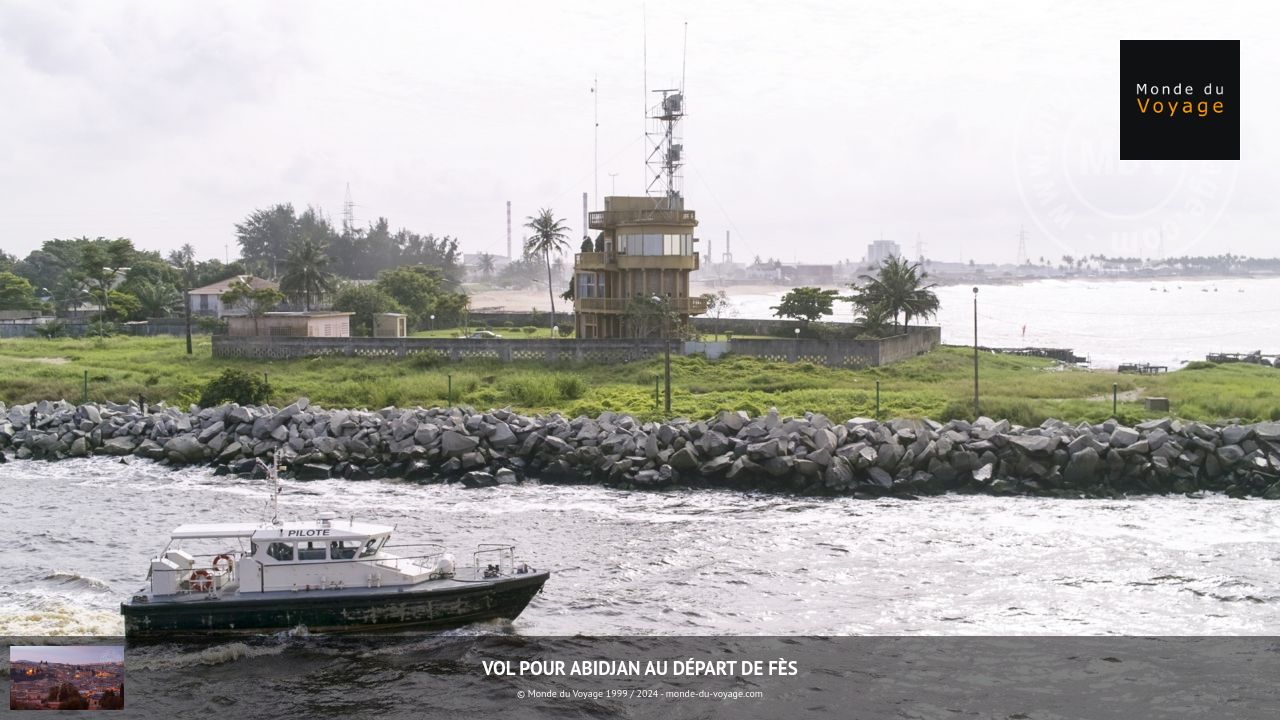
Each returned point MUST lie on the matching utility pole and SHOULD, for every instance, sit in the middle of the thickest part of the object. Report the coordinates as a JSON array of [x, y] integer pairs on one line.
[[664, 304], [187, 303], [976, 412]]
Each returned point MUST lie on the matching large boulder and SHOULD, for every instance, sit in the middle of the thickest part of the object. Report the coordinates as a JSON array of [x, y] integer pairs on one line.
[[121, 445], [1082, 467], [455, 444], [184, 449]]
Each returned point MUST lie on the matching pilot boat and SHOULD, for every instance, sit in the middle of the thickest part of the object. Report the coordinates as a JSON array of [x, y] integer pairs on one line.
[[327, 574]]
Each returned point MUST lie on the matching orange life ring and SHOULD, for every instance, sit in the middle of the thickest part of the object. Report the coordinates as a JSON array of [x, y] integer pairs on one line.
[[220, 558], [201, 581]]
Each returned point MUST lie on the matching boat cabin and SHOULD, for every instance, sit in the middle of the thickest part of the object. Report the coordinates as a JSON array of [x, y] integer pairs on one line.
[[325, 553]]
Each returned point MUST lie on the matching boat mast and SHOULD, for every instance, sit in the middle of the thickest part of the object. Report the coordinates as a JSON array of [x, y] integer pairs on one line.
[[274, 474]]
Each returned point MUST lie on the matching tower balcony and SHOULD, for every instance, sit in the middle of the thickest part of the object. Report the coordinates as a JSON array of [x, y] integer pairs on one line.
[[615, 261], [680, 305], [604, 219]]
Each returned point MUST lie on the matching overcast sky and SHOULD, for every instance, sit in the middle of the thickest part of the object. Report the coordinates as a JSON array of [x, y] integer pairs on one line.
[[813, 127]]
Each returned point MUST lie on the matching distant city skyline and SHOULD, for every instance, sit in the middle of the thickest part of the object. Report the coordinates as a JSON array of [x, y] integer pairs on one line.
[[67, 654], [817, 127]]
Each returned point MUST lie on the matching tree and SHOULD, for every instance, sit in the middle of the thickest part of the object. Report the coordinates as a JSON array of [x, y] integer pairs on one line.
[[520, 273], [897, 289], [183, 256], [208, 272], [100, 265], [16, 293], [806, 304], [717, 306], [420, 291], [156, 300], [486, 264], [306, 273], [7, 261], [123, 306], [649, 315], [264, 236], [255, 302], [549, 236], [365, 301]]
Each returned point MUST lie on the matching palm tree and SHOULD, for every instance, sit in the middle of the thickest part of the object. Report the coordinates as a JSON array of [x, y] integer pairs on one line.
[[549, 235], [159, 300], [896, 290], [306, 272], [486, 264], [182, 257]]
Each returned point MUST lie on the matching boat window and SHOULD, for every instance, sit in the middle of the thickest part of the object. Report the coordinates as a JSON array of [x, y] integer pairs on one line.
[[343, 549], [371, 547], [311, 552], [280, 551]]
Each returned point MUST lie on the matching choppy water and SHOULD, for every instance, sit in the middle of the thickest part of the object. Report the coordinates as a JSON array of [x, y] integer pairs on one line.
[[1163, 322], [78, 534]]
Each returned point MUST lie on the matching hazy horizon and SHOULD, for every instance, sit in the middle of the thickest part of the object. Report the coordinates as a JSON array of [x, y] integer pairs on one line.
[[67, 654], [813, 128]]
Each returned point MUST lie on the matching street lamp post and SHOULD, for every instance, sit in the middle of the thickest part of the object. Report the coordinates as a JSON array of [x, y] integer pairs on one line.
[[666, 354], [433, 323], [796, 347], [976, 412]]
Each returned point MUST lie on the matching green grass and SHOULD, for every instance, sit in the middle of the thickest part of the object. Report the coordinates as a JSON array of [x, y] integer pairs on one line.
[[937, 385]]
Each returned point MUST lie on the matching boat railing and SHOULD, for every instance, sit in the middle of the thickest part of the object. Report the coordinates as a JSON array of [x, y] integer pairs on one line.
[[491, 552], [402, 563], [196, 579]]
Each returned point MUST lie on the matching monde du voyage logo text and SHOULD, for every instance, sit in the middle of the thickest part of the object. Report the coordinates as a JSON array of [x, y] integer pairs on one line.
[[1179, 99]]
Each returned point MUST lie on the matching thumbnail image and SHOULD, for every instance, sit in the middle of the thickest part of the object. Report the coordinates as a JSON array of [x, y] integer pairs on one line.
[[66, 677]]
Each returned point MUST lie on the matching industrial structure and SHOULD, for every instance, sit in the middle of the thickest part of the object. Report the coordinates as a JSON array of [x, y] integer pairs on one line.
[[641, 259]]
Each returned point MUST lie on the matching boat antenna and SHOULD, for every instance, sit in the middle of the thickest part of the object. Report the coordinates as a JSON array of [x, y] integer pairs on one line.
[[274, 474]]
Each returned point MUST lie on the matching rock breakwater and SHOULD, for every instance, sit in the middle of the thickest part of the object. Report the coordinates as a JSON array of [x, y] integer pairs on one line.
[[810, 454]]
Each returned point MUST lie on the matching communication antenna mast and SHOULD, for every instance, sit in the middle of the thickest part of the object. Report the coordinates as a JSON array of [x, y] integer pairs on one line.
[[666, 151], [348, 213], [595, 97], [1022, 245]]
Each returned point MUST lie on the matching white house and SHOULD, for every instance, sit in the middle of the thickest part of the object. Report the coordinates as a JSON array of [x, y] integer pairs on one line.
[[207, 300]]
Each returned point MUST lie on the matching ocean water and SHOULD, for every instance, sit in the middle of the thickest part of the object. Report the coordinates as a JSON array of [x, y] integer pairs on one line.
[[887, 608], [1162, 322], [693, 562]]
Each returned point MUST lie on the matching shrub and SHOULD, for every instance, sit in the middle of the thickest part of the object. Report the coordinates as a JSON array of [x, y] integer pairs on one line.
[[211, 325], [1200, 365], [101, 328], [235, 386], [570, 387], [50, 330], [528, 330]]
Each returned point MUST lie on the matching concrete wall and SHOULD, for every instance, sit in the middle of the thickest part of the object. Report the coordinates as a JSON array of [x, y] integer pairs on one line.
[[280, 348], [836, 353]]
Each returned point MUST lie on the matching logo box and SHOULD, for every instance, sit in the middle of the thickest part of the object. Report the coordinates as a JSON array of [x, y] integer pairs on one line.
[[1179, 99]]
